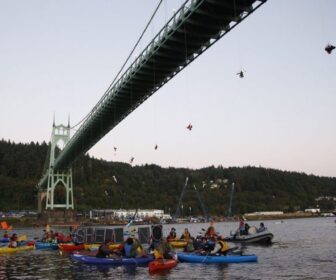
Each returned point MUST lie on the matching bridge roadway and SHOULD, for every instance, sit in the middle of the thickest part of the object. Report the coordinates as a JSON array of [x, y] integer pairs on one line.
[[196, 26]]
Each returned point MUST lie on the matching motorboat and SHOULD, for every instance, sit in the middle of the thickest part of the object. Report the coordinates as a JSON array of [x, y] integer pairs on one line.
[[253, 236]]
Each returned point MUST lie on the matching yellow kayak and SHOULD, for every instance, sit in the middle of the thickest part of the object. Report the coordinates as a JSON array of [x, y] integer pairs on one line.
[[91, 246], [178, 243], [14, 250], [95, 246]]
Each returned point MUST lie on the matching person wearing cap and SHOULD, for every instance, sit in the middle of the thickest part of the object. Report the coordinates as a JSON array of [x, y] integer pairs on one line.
[[172, 235]]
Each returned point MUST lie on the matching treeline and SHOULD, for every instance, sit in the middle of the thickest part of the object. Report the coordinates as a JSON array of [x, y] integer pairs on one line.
[[104, 185]]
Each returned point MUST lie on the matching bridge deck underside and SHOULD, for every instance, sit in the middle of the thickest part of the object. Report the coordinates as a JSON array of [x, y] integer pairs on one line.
[[193, 29]]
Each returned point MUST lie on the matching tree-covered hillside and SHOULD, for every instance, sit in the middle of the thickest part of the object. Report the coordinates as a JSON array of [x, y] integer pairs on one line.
[[150, 186]]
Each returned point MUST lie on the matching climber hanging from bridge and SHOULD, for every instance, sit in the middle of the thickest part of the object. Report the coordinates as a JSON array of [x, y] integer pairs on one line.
[[189, 126], [115, 179], [329, 48], [241, 74]]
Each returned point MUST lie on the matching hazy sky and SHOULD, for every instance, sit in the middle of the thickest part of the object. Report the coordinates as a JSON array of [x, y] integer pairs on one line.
[[60, 56]]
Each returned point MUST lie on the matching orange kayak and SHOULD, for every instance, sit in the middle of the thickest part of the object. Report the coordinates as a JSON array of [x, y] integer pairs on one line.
[[65, 247], [161, 264]]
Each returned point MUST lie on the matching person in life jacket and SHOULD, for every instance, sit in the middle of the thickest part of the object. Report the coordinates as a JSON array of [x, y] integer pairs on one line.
[[221, 247], [130, 248], [164, 250], [186, 235]]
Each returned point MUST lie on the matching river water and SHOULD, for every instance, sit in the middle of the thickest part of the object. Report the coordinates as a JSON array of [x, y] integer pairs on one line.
[[302, 249]]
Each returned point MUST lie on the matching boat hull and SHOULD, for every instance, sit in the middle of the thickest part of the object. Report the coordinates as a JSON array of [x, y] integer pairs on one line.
[[260, 238], [5, 250], [45, 246], [194, 258], [178, 243], [68, 247], [111, 261], [161, 264]]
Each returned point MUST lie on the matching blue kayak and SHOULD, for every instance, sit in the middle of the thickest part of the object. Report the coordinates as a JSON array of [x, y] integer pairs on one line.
[[4, 240], [46, 245], [111, 261], [196, 258]]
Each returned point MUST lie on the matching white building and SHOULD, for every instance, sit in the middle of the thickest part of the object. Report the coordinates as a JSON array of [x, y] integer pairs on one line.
[[312, 210], [124, 213], [264, 213]]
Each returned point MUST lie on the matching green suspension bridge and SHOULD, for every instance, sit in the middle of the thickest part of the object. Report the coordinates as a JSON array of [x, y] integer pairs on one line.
[[195, 27]]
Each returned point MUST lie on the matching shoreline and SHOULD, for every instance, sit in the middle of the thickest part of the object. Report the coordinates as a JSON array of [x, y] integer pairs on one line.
[[36, 222]]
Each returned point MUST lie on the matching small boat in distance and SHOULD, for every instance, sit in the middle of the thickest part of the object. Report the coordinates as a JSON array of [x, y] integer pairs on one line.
[[253, 236]]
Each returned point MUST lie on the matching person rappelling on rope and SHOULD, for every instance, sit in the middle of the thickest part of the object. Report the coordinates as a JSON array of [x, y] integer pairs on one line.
[[115, 149], [329, 48], [241, 74], [189, 126], [131, 160], [115, 179], [156, 147]]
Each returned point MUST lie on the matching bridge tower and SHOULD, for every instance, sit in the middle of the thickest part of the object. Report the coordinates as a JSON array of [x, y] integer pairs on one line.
[[59, 178]]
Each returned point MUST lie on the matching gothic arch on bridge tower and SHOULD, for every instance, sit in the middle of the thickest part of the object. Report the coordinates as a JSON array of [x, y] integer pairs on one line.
[[59, 188]]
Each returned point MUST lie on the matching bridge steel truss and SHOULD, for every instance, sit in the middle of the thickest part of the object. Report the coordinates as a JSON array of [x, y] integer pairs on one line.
[[195, 27]]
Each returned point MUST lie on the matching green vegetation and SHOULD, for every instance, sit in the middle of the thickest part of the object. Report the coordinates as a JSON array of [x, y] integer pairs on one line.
[[150, 186]]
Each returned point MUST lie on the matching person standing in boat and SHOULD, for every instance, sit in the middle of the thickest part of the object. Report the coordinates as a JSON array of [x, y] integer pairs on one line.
[[247, 227], [241, 226]]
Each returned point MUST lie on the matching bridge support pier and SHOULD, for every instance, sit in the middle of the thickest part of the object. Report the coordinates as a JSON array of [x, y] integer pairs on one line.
[[59, 194], [58, 179], [58, 216]]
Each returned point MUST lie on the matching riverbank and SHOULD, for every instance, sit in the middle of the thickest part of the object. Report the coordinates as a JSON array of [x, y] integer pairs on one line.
[[36, 222]]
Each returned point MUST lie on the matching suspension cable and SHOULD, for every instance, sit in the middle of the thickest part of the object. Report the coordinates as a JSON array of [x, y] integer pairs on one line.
[[127, 59]]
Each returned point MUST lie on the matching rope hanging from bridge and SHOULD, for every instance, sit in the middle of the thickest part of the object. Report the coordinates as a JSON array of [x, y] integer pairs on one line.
[[127, 59]]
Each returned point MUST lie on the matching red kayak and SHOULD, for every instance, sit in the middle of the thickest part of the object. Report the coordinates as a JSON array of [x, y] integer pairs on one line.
[[161, 264], [65, 247]]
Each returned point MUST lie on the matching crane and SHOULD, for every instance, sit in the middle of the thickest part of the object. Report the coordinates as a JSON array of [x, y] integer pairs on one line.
[[205, 212], [177, 212]]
